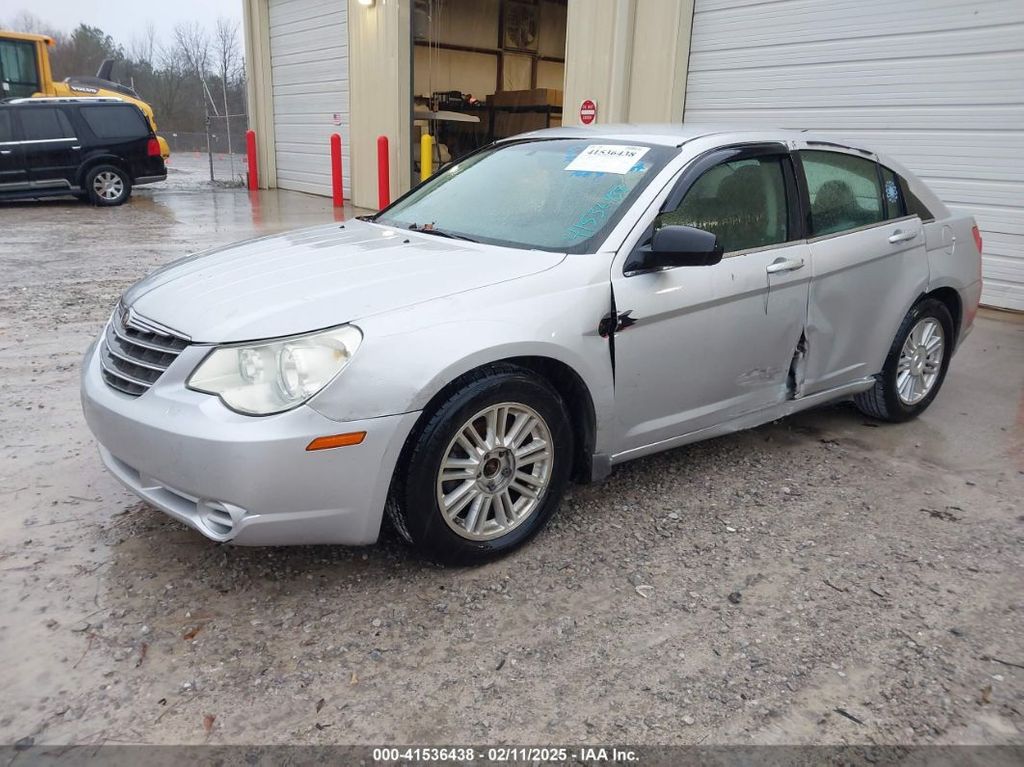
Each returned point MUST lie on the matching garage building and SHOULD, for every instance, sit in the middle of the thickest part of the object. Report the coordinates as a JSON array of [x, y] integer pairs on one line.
[[938, 83]]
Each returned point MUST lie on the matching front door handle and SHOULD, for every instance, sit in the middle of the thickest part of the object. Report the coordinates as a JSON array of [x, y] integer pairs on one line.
[[900, 236], [6, 151], [784, 265]]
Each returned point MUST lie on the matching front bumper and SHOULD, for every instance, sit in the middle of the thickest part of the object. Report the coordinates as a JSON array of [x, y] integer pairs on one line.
[[242, 479]]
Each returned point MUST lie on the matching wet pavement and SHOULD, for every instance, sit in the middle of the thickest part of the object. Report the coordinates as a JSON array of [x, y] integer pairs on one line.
[[741, 590]]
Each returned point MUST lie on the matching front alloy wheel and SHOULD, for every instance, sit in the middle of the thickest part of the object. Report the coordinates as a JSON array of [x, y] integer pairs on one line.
[[495, 471], [486, 468]]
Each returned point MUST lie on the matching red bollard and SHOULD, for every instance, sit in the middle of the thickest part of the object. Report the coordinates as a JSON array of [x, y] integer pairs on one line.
[[383, 173], [250, 151], [336, 177]]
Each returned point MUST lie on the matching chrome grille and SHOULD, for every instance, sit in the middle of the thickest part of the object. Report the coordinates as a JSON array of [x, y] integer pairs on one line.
[[136, 352]]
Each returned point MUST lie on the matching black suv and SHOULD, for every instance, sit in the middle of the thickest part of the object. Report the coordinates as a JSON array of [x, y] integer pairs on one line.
[[94, 149]]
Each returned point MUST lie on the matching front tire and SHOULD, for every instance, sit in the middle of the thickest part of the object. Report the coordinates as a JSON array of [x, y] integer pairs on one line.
[[915, 367], [487, 470], [107, 185]]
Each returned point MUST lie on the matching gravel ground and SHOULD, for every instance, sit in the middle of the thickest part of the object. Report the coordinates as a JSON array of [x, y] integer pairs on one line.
[[823, 579]]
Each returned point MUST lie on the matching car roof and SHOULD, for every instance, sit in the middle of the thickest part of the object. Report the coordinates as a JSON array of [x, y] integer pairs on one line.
[[677, 134]]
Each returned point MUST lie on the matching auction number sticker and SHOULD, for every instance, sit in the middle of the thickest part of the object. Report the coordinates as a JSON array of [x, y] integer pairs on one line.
[[607, 158]]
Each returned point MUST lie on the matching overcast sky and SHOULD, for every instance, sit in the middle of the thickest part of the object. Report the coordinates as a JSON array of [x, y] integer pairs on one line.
[[124, 19]]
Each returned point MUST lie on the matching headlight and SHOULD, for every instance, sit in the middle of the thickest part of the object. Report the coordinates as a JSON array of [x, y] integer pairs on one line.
[[265, 378]]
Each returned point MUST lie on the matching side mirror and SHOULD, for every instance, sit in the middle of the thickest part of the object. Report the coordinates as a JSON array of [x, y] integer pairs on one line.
[[676, 245]]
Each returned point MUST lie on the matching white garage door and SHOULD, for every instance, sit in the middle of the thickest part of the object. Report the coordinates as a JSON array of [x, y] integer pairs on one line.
[[937, 83], [309, 68]]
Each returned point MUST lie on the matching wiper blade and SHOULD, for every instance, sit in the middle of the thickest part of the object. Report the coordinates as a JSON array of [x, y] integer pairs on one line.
[[428, 229]]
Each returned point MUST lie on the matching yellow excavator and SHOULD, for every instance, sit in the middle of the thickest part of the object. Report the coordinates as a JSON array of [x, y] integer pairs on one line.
[[25, 73]]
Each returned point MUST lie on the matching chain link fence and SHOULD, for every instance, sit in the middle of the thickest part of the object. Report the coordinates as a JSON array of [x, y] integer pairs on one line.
[[221, 147]]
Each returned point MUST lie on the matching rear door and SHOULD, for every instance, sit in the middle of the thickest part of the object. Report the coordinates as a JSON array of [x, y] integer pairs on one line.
[[869, 263], [12, 158], [121, 130], [701, 345], [52, 150]]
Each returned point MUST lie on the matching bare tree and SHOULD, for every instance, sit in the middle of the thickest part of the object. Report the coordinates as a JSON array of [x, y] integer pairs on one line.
[[26, 21], [193, 45], [173, 74], [143, 47], [225, 44]]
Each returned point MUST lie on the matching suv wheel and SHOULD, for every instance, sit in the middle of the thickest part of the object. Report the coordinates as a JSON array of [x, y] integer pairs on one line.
[[107, 185], [916, 365], [487, 470]]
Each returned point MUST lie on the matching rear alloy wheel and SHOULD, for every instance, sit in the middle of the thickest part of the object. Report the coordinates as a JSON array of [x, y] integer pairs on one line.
[[487, 469], [915, 367], [107, 185]]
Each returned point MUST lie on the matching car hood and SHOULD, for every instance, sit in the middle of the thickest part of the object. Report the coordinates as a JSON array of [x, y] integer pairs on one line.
[[316, 278]]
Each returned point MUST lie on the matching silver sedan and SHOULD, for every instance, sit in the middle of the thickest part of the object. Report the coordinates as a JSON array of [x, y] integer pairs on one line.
[[538, 312]]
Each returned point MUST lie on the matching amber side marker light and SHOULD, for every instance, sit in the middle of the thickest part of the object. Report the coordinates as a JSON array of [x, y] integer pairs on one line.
[[337, 440]]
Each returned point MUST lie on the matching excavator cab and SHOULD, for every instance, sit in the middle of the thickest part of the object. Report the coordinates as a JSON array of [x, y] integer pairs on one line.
[[20, 75]]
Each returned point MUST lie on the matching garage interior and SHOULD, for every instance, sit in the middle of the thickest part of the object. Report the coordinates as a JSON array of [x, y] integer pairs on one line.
[[483, 70]]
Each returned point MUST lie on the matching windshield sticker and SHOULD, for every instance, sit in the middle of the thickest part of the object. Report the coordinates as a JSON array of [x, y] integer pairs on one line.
[[591, 221], [607, 158]]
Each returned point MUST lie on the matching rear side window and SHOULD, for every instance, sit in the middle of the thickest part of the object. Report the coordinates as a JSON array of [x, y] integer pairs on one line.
[[914, 206], [45, 123], [743, 202], [844, 191], [6, 128], [115, 122]]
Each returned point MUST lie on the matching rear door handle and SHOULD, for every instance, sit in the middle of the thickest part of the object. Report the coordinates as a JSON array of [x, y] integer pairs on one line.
[[785, 265], [900, 236], [6, 151], [76, 147]]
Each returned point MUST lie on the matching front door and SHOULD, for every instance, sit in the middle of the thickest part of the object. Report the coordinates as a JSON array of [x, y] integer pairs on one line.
[[52, 151], [868, 257], [12, 161], [704, 344]]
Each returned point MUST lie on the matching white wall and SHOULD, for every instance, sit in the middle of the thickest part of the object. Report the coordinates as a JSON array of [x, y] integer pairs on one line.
[[379, 63], [939, 84], [629, 56]]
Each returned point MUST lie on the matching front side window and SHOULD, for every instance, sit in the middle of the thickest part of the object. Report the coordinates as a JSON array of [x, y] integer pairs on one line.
[[18, 74], [561, 195], [45, 124], [743, 202], [844, 191], [115, 122]]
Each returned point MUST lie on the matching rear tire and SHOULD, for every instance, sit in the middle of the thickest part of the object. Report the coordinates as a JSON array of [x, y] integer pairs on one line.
[[487, 469], [915, 367], [107, 185]]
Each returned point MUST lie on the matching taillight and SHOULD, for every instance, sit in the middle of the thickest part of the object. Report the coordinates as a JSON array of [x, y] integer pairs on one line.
[[153, 150], [977, 237]]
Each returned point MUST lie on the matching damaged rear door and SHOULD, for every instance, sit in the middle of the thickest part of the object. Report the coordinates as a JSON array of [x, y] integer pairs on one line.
[[705, 344]]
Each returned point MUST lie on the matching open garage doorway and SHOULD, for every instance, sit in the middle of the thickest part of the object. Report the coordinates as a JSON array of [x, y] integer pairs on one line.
[[483, 70]]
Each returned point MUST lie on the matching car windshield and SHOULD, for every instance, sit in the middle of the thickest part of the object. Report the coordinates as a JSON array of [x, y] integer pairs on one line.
[[561, 195]]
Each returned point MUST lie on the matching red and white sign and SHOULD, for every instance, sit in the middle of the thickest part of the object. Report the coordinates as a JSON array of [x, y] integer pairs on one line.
[[588, 112]]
